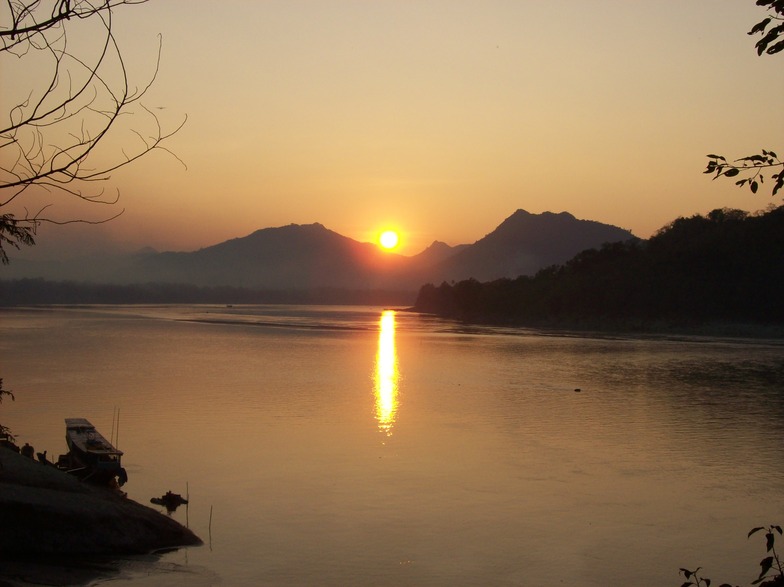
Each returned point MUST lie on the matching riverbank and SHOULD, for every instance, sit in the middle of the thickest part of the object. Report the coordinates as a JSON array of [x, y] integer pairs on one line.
[[46, 512], [648, 329]]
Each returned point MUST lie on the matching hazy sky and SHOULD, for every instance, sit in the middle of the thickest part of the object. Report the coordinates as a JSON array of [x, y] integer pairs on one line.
[[439, 118]]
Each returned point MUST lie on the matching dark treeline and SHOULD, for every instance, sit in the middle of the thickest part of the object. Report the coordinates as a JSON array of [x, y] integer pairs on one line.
[[23, 292], [726, 267]]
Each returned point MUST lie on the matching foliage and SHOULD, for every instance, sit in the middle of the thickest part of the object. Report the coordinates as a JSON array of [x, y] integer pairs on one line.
[[72, 95], [770, 43], [3, 430], [771, 562], [749, 169], [694, 578], [13, 233], [752, 166], [723, 267], [767, 563]]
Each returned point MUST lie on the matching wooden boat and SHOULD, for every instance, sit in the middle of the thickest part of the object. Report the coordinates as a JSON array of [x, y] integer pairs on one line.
[[92, 457]]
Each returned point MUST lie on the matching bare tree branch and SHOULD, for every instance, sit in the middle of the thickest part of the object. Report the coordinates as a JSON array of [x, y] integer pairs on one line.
[[55, 136]]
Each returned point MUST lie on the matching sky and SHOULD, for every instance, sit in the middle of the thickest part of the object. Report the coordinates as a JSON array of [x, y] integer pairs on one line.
[[436, 118]]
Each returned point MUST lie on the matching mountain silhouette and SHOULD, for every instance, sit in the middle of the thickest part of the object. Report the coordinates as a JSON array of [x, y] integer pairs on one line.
[[289, 257], [310, 256], [524, 243]]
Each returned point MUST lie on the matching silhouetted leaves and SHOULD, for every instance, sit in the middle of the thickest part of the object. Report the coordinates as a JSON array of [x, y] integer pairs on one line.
[[760, 26], [697, 580], [4, 431], [753, 165], [14, 233], [763, 45], [775, 48], [766, 564], [7, 392], [769, 562], [779, 182], [766, 43], [689, 574]]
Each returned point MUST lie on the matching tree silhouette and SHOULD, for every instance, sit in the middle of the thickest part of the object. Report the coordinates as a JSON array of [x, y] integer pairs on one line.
[[722, 268], [73, 94], [751, 170]]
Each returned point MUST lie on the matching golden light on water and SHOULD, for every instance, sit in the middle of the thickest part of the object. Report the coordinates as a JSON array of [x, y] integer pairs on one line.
[[387, 375]]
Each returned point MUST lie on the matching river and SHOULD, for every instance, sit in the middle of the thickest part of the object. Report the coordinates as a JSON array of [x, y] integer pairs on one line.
[[344, 446]]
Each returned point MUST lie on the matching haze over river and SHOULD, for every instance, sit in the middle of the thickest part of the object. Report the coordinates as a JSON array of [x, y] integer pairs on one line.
[[357, 446]]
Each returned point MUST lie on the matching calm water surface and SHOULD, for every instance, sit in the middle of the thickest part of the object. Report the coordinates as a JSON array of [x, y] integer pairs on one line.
[[353, 446]]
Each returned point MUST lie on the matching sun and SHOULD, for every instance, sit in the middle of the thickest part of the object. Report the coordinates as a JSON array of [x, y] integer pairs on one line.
[[388, 239]]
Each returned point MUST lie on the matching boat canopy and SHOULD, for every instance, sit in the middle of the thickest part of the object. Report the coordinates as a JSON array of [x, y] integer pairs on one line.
[[79, 425], [84, 436]]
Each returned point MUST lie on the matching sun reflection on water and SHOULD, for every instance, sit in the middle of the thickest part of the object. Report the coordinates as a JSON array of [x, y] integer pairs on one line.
[[387, 375]]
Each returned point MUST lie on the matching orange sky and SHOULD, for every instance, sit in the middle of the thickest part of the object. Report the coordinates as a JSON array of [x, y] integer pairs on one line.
[[438, 118]]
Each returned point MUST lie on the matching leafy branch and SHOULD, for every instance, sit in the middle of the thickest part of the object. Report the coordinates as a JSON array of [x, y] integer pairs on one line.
[[770, 562], [772, 30], [770, 35], [752, 166], [694, 578]]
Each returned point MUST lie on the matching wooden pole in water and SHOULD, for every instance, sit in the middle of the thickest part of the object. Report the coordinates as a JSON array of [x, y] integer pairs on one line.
[[209, 529], [187, 505], [114, 417]]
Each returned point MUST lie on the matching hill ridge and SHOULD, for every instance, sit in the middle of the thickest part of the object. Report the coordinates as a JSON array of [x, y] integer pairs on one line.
[[312, 256]]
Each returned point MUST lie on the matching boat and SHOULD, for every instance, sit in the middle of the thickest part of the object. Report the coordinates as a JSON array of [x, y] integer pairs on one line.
[[91, 456]]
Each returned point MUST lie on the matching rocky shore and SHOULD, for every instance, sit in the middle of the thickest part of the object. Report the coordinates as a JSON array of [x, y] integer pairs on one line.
[[44, 511]]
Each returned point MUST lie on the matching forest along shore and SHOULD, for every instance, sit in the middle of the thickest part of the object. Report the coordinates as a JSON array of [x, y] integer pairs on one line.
[[46, 511]]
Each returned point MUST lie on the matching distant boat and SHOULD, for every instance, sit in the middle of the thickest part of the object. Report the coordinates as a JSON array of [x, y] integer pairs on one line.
[[92, 457]]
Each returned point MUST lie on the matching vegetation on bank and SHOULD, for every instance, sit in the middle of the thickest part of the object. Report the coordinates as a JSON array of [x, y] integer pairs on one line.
[[5, 432], [725, 267]]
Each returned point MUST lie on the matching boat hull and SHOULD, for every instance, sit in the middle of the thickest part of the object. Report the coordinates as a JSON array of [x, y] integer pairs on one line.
[[91, 456]]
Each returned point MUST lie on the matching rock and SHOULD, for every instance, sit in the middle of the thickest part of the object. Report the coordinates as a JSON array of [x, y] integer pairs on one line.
[[46, 511]]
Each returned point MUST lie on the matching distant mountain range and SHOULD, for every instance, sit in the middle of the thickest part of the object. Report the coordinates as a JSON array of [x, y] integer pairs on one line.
[[303, 257]]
